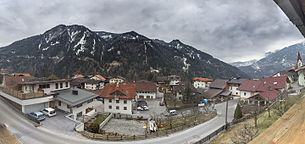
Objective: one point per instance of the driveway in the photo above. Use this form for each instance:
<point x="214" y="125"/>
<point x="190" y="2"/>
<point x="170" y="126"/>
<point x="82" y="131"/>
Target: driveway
<point x="154" y="109"/>
<point x="60" y="123"/>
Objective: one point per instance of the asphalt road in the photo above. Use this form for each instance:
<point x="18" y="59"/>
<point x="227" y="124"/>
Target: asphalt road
<point x="29" y="134"/>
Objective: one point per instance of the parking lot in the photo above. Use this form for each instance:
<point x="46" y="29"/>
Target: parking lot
<point x="154" y="109"/>
<point x="60" y="124"/>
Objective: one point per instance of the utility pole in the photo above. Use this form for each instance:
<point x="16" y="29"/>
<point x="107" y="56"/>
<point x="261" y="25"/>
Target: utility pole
<point x="226" y="118"/>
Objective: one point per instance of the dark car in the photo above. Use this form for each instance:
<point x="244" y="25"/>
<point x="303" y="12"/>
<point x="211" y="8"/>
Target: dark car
<point x="37" y="116"/>
<point x="142" y="103"/>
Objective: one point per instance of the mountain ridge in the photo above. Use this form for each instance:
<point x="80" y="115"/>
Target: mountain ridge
<point x="67" y="50"/>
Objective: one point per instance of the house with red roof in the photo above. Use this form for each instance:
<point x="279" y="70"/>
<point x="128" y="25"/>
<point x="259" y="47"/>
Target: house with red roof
<point x="118" y="98"/>
<point x="263" y="90"/>
<point x="202" y="82"/>
<point x="98" y="77"/>
<point x="78" y="76"/>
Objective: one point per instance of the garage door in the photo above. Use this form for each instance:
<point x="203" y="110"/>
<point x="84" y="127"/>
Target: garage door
<point x="148" y="97"/>
<point x="141" y="97"/>
<point x="33" y="108"/>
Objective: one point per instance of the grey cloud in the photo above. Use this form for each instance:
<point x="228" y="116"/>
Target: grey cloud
<point x="230" y="30"/>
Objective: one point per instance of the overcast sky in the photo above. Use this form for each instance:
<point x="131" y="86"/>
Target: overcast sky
<point x="231" y="30"/>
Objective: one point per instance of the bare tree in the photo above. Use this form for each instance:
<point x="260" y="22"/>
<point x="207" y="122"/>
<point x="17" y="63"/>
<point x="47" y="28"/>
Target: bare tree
<point x="245" y="134"/>
<point x="281" y="108"/>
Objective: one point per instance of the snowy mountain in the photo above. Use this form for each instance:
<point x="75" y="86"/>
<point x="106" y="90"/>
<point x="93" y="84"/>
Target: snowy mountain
<point x="276" y="61"/>
<point x="245" y="63"/>
<point x="67" y="50"/>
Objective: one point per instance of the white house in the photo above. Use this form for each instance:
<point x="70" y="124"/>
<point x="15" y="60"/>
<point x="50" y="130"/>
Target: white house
<point x="47" y="86"/>
<point x="174" y="80"/>
<point x="146" y="90"/>
<point x="233" y="85"/>
<point x="94" y="84"/>
<point x="77" y="102"/>
<point x="116" y="80"/>
<point x="98" y="77"/>
<point x="249" y="88"/>
<point x="119" y="98"/>
<point x="202" y="82"/>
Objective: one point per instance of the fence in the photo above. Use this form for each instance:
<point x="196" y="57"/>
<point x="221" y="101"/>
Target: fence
<point x="147" y="134"/>
<point x="282" y="95"/>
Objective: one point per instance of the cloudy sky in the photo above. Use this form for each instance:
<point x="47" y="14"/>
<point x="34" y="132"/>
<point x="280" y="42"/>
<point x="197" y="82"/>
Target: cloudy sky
<point x="231" y="30"/>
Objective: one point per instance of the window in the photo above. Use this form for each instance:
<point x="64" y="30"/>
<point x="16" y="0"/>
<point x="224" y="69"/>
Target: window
<point x="67" y="84"/>
<point x="125" y="108"/>
<point x="110" y="100"/>
<point x="125" y="101"/>
<point x="59" y="103"/>
<point x="110" y="107"/>
<point x="56" y="86"/>
<point x="237" y="93"/>
<point x="61" y="85"/>
<point x="117" y="107"/>
<point x="68" y="106"/>
<point x="244" y="94"/>
<point x="79" y="105"/>
<point x="117" y="101"/>
<point x="48" y="85"/>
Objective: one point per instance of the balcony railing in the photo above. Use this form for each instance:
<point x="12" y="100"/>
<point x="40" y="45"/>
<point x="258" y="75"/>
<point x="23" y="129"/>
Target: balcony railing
<point x="20" y="95"/>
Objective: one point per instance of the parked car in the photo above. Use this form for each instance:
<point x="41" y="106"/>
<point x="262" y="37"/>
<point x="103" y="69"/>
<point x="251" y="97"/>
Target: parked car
<point x="161" y="104"/>
<point x="140" y="108"/>
<point x="49" y="112"/>
<point x="142" y="103"/>
<point x="173" y="112"/>
<point x="145" y="108"/>
<point x="38" y="116"/>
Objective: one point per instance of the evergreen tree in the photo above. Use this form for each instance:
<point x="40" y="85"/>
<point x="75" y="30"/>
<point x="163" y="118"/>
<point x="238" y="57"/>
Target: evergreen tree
<point x="53" y="77"/>
<point x="238" y="113"/>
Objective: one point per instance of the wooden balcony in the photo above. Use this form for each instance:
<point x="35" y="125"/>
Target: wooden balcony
<point x="20" y="95"/>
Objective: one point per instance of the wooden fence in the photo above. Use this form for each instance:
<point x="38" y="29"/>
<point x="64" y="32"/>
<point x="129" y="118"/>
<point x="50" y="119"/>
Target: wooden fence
<point x="21" y="95"/>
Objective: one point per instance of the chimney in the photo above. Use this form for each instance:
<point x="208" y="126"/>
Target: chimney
<point x="75" y="92"/>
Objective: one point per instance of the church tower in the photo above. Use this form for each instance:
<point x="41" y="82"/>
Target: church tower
<point x="299" y="61"/>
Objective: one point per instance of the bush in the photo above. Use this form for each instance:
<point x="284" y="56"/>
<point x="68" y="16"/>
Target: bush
<point x="238" y="113"/>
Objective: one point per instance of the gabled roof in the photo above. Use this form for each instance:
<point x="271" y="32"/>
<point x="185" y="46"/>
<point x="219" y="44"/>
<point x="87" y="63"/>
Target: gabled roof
<point x="218" y="84"/>
<point x="250" y="85"/>
<point x="100" y="77"/>
<point x="202" y="79"/>
<point x="146" y="86"/>
<point x="270" y="95"/>
<point x="79" y="76"/>
<point x="273" y="83"/>
<point x="211" y="93"/>
<point x="111" y="90"/>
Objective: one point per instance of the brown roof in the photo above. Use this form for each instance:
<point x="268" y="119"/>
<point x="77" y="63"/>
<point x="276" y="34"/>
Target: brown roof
<point x="250" y="85"/>
<point x="211" y="93"/>
<point x="17" y="79"/>
<point x="273" y="82"/>
<point x="123" y="91"/>
<point x="146" y="86"/>
<point x="218" y="84"/>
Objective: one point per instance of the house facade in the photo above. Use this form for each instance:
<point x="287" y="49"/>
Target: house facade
<point x="233" y="85"/>
<point x="119" y="98"/>
<point x="174" y="80"/>
<point x="248" y="88"/>
<point x="116" y="80"/>
<point x="92" y="84"/>
<point x="77" y="102"/>
<point x="146" y="90"/>
<point x="202" y="82"/>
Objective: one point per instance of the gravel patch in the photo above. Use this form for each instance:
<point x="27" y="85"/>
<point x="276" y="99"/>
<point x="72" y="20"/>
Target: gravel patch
<point x="125" y="127"/>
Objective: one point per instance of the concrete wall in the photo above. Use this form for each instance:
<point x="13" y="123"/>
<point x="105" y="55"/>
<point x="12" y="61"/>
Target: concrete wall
<point x="34" y="107"/>
<point x="301" y="77"/>
<point x="120" y="104"/>
<point x="145" y="94"/>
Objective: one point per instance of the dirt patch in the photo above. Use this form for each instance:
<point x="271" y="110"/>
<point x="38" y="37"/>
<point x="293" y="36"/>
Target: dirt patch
<point x="290" y="128"/>
<point x="7" y="138"/>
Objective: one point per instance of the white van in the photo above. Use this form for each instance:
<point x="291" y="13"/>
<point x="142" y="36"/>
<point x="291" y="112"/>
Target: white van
<point x="49" y="112"/>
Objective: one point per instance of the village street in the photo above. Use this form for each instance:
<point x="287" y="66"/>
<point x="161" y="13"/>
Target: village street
<point x="29" y="134"/>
